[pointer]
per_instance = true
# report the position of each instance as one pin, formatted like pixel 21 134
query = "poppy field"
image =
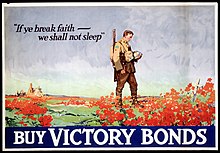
pixel 189 106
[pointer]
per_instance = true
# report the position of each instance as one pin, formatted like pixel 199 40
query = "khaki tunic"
pixel 121 47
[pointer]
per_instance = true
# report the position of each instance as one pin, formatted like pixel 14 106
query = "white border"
pixel 215 4
pixel 111 148
pixel 216 72
pixel 3 79
pixel 111 4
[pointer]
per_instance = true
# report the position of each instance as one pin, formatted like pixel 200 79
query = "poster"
pixel 59 91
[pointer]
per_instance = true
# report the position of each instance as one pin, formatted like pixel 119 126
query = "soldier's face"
pixel 128 37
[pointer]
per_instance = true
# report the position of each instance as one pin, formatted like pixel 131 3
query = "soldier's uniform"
pixel 121 51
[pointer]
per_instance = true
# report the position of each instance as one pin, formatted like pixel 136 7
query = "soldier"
pixel 124 65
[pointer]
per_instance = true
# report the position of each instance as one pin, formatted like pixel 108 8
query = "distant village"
pixel 32 92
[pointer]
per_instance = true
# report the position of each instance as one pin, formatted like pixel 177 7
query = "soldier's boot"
pixel 119 104
pixel 134 100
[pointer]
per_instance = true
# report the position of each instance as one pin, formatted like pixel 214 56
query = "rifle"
pixel 113 42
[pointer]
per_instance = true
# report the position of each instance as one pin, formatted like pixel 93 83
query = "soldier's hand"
pixel 123 71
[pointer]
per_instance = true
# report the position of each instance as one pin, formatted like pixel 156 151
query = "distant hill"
pixel 52 95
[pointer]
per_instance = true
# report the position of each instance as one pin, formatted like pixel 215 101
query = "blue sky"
pixel 178 46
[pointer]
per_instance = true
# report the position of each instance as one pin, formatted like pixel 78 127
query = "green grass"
pixel 62 115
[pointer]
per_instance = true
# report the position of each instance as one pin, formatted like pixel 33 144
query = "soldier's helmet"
pixel 137 55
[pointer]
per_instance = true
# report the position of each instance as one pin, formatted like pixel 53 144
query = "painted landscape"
pixel 193 105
